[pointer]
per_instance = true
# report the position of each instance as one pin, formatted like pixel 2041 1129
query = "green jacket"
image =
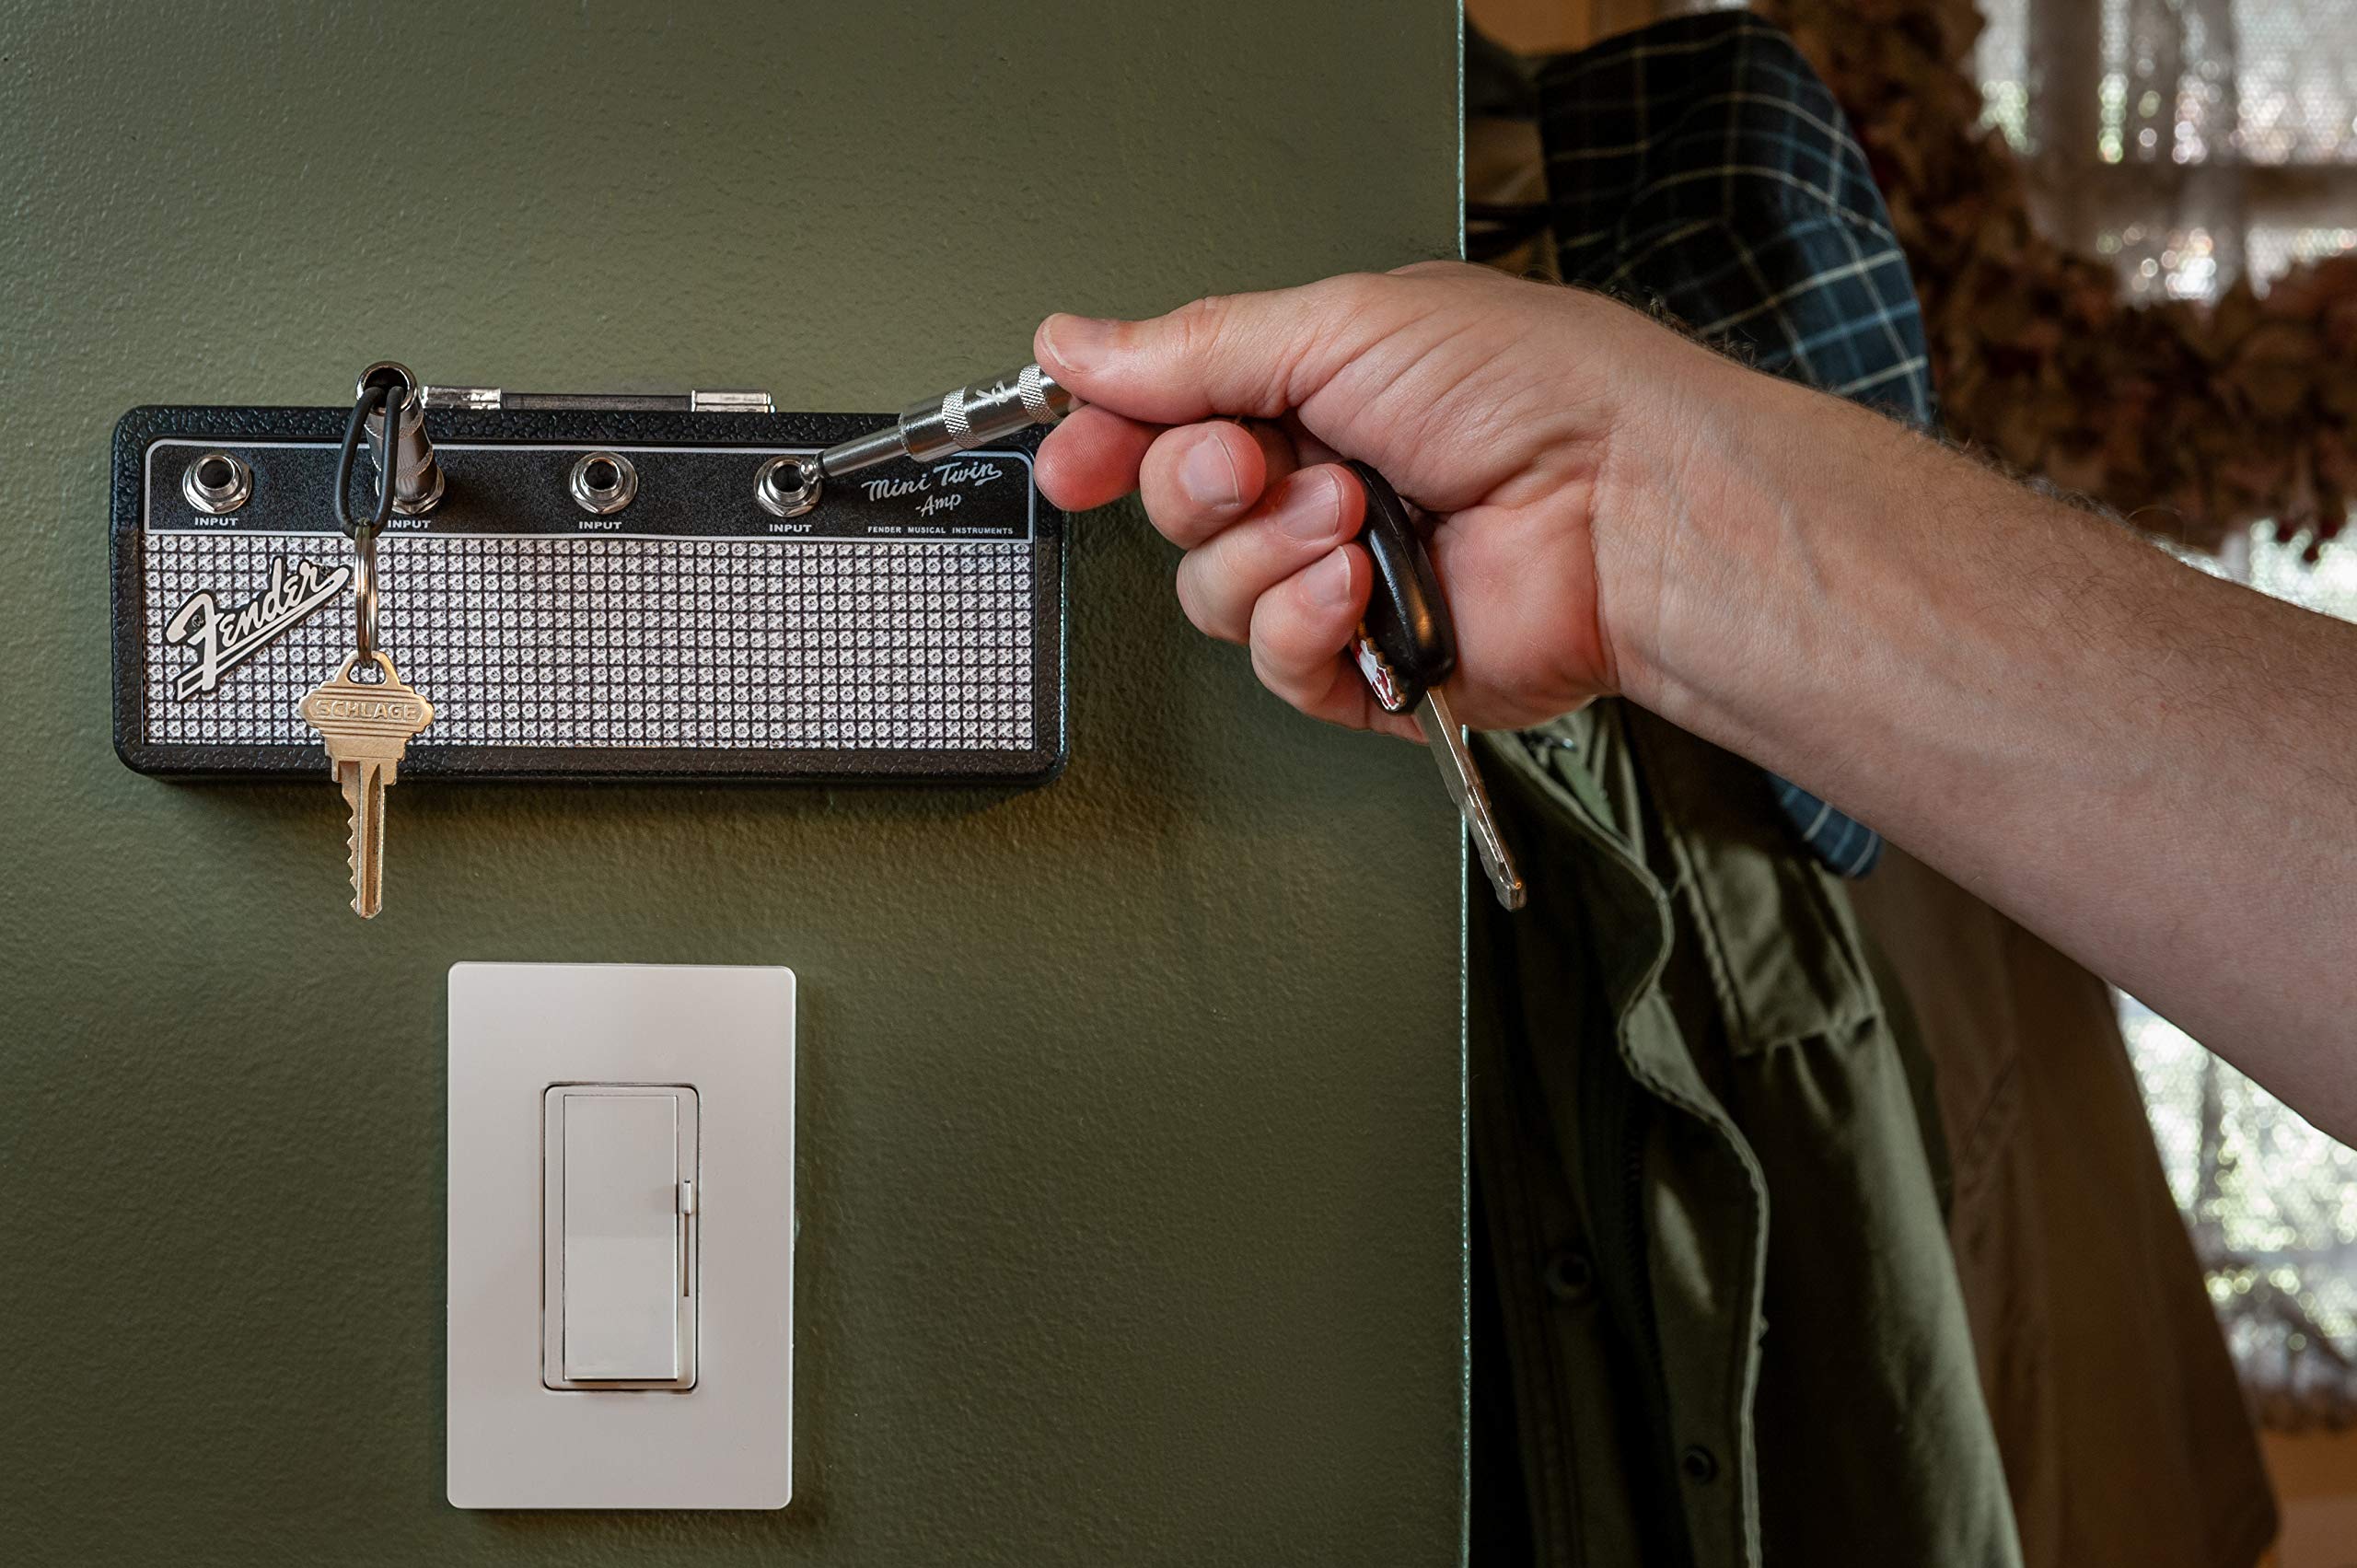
pixel 1708 1187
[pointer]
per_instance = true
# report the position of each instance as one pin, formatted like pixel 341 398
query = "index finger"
pixel 1253 354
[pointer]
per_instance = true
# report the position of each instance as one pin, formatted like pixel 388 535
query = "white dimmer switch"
pixel 618 1300
pixel 621 1237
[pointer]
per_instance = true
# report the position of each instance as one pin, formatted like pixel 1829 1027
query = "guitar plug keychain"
pixel 1406 644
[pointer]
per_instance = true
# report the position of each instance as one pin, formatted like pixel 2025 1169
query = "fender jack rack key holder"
pixel 681 586
pixel 589 585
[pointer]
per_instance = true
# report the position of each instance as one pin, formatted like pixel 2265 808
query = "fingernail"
pixel 1312 507
pixel 1328 583
pixel 1207 473
pixel 1078 343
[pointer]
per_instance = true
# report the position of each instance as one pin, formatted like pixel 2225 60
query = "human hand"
pixel 1516 413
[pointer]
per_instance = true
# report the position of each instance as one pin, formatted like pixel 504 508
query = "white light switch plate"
pixel 517 1031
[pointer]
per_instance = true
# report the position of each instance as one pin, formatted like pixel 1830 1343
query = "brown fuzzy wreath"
pixel 2193 420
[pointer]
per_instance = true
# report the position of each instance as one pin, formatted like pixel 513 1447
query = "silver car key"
pixel 1406 647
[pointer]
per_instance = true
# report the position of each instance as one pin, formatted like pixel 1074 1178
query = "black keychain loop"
pixel 363 534
pixel 370 395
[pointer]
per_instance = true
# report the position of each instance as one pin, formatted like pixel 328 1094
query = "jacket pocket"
pixel 1775 930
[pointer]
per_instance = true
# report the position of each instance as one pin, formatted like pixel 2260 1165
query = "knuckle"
pixel 1203 323
pixel 1348 294
pixel 1274 638
pixel 1284 683
pixel 1345 289
pixel 1200 606
pixel 1440 269
pixel 1161 512
pixel 1178 519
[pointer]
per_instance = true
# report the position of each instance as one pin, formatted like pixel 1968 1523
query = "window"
pixel 2195 141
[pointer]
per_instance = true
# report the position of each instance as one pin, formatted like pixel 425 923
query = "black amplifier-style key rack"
pixel 909 626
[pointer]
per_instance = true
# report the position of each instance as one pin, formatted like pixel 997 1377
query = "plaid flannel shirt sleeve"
pixel 1700 167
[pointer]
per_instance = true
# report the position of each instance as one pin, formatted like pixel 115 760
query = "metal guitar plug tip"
pixel 415 476
pixel 955 422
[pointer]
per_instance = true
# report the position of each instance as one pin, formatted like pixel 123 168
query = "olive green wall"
pixel 1130 1182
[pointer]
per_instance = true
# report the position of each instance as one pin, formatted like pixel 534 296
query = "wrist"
pixel 1688 491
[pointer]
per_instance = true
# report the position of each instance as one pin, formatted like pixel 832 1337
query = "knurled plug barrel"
pixel 973 415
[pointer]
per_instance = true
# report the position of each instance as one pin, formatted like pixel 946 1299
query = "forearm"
pixel 2155 769
pixel 2150 768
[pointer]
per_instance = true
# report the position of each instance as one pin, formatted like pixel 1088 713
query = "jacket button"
pixel 1701 1466
pixel 1571 1276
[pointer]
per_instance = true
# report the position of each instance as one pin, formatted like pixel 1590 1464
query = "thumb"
pixel 1250 355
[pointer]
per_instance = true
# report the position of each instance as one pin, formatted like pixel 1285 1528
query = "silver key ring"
pixel 364 545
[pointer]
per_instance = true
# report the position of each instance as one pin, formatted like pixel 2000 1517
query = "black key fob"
pixel 1406 643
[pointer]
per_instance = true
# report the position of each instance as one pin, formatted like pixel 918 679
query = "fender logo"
pixel 223 641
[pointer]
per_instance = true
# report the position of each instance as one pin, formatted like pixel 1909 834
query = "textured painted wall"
pixel 1130 1160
